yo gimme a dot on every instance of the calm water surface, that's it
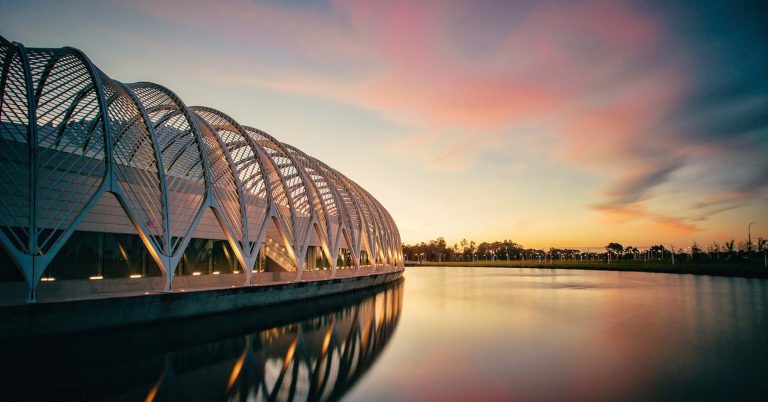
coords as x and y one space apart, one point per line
444 334
313 350
540 335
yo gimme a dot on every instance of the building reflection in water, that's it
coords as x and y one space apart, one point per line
317 357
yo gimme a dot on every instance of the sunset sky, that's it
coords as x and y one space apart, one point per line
549 123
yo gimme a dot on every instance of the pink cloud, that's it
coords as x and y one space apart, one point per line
556 64
596 75
552 61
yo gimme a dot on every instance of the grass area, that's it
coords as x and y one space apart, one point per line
747 269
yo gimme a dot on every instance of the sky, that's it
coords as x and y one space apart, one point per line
567 124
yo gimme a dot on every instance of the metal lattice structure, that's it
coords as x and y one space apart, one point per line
69 134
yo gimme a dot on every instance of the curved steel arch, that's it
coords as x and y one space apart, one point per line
69 134
283 194
354 211
249 163
54 121
183 157
302 193
369 224
330 201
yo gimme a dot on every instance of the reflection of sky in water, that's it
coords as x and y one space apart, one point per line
528 334
228 357
464 334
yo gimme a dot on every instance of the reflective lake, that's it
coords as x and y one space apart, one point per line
442 334
313 350
511 334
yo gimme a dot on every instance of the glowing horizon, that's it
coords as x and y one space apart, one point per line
550 125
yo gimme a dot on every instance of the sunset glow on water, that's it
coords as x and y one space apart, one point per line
545 335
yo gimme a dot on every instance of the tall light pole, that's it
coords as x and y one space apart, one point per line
749 236
673 253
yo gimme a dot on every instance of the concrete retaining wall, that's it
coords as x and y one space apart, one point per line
92 314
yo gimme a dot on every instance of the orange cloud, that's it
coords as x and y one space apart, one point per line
646 221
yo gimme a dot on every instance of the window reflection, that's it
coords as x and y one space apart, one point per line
320 356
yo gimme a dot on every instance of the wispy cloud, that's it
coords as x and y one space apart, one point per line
611 87
632 187
646 221
721 202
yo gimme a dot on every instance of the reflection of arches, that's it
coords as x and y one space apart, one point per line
320 358
327 344
69 134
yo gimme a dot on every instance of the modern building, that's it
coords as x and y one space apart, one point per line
114 184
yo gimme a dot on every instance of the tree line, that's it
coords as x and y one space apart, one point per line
439 250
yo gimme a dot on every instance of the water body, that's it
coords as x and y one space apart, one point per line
443 334
310 350
548 335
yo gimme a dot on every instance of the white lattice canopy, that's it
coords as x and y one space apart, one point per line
69 134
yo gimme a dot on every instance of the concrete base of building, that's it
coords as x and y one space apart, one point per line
129 306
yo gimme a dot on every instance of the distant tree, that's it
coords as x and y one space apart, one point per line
439 250
658 249
630 252
729 246
440 243
695 251
615 248
715 249
482 250
469 250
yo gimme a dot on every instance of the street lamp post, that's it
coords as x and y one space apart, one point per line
749 237
673 253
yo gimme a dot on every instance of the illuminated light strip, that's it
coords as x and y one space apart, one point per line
96 277
47 279
195 274
135 276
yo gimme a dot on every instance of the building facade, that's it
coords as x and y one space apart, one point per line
101 179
